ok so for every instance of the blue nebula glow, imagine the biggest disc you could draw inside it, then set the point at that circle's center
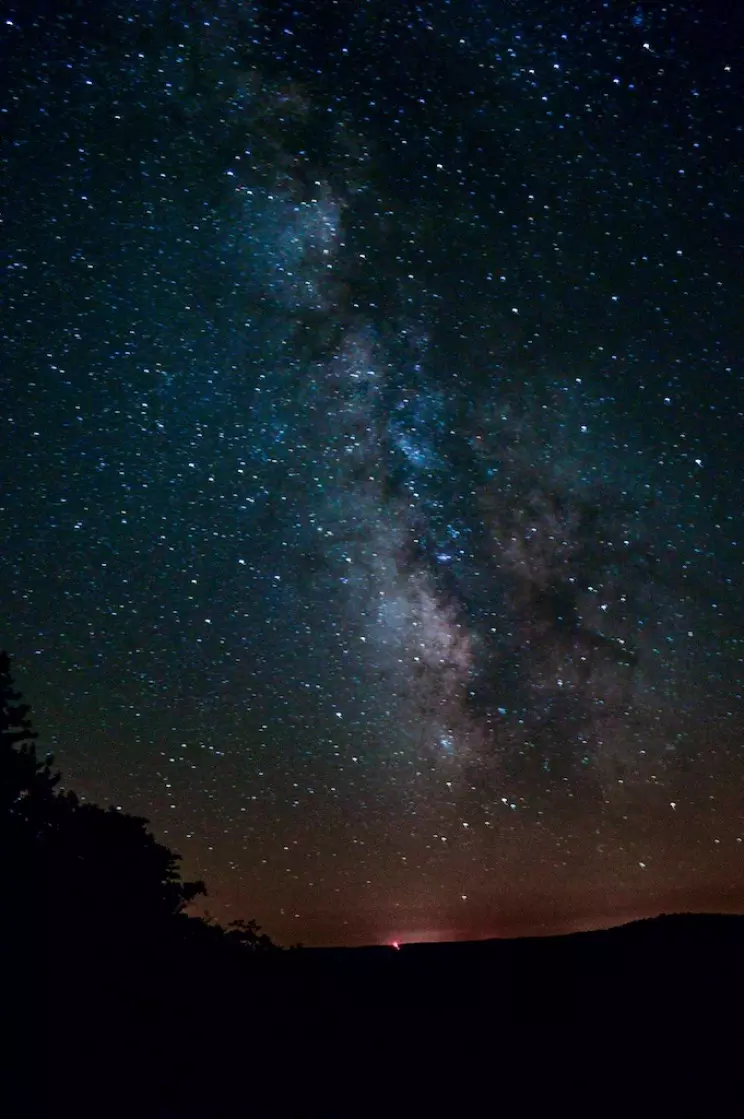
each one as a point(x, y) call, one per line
point(447, 744)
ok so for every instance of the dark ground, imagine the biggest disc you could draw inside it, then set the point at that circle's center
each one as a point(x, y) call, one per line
point(354, 1031)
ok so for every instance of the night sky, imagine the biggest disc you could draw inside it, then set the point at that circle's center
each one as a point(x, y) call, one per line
point(372, 453)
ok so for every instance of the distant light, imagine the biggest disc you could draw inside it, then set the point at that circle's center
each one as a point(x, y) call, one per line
point(395, 945)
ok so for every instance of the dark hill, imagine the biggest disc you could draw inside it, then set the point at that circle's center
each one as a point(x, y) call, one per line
point(302, 1026)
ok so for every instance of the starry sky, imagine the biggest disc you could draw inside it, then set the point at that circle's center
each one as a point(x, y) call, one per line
point(371, 468)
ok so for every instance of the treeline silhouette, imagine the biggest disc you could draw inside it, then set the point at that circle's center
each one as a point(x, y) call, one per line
point(86, 873)
point(116, 1001)
point(96, 943)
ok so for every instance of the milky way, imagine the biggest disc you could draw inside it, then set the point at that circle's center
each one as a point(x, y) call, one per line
point(374, 474)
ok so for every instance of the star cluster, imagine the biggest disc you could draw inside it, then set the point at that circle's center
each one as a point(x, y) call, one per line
point(372, 449)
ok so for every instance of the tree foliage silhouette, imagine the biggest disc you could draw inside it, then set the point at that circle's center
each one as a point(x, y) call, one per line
point(95, 880)
point(96, 944)
point(25, 782)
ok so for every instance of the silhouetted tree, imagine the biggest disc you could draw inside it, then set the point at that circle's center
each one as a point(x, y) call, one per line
point(27, 799)
point(248, 935)
point(95, 879)
point(25, 782)
point(95, 937)
point(109, 874)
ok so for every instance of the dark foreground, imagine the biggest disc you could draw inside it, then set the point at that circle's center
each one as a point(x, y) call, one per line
point(318, 1032)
